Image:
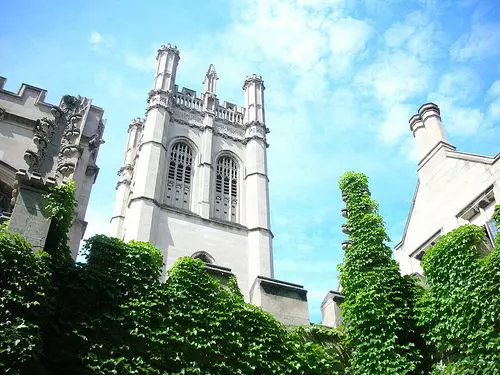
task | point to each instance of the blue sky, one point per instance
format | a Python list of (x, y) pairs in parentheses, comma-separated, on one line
[(342, 78)]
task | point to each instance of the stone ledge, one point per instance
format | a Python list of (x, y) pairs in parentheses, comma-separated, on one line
[(220, 270), (334, 295), (287, 302)]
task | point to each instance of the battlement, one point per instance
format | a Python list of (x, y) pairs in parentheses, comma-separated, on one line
[(24, 92), (223, 110), (28, 91)]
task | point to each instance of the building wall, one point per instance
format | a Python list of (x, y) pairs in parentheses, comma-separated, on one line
[(449, 181), (19, 113), (212, 128)]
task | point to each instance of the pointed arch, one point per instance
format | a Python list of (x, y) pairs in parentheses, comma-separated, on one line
[(204, 257), (226, 191), (179, 175)]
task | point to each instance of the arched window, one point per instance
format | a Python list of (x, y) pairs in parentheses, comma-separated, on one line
[(179, 176), (226, 189), (204, 257)]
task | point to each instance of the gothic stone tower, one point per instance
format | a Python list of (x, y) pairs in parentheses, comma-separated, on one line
[(194, 178)]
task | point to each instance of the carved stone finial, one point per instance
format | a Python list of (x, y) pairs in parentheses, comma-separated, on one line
[(69, 103), (253, 78), (210, 80), (165, 48)]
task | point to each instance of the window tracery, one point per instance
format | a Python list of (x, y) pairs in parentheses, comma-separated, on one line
[(178, 192), (226, 189)]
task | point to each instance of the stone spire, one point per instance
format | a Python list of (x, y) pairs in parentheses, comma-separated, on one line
[(254, 99), (167, 62), (210, 81)]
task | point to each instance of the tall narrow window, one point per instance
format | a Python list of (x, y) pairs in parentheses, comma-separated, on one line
[(226, 189), (179, 176)]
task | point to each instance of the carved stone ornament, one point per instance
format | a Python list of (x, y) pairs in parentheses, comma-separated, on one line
[(2, 114), (69, 104), (136, 123), (95, 142), (230, 132), (91, 170), (45, 127), (164, 48), (192, 119), (66, 169), (31, 158), (160, 99), (70, 151)]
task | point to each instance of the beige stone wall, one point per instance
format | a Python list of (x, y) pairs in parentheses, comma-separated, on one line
[(448, 182)]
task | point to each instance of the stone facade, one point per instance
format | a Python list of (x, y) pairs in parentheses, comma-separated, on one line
[(453, 188), (194, 181), (42, 145)]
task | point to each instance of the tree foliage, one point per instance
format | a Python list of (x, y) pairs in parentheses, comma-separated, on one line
[(461, 307), (23, 280), (112, 315), (377, 309)]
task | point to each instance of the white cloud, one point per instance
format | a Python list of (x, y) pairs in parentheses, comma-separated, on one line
[(418, 35), (493, 96), (410, 151), (482, 41), (95, 37), (144, 63), (348, 35), (463, 121), (395, 124), (454, 94), (99, 42), (396, 76), (461, 84)]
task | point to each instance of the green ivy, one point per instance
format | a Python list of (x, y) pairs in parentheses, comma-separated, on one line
[(23, 281), (461, 307), (113, 315), (61, 205), (377, 310)]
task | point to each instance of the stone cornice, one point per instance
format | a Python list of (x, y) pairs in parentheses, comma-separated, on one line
[(262, 229), (433, 151), (257, 173), (191, 214), (154, 142), (10, 117)]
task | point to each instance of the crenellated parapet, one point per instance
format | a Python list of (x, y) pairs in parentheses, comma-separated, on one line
[(223, 111)]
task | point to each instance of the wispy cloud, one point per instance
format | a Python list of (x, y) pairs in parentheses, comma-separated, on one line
[(482, 41), (95, 37), (144, 63), (99, 42)]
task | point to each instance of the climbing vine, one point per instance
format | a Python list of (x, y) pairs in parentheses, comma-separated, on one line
[(60, 206), (460, 309), (377, 309)]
